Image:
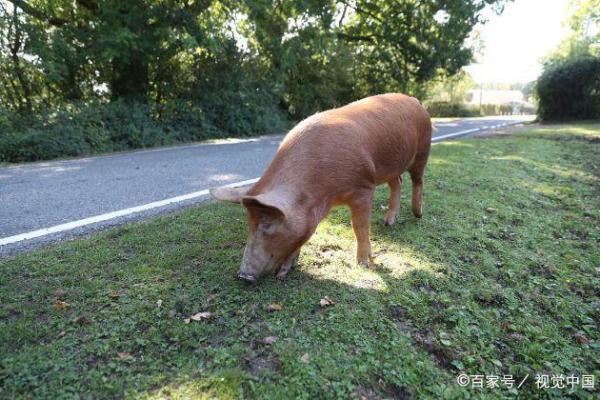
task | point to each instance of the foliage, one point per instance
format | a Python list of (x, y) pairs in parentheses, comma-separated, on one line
[(240, 66), (584, 39), (447, 96), (513, 290), (451, 89), (83, 129), (448, 109), (570, 89)]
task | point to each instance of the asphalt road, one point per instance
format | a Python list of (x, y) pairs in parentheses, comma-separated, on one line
[(37, 196)]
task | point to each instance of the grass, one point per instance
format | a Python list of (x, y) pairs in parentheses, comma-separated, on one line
[(499, 277)]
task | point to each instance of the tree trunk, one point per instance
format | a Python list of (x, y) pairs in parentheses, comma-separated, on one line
[(14, 55)]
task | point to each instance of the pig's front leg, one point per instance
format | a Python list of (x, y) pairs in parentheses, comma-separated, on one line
[(361, 222), (287, 266)]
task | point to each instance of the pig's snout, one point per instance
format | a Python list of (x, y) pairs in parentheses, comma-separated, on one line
[(247, 277)]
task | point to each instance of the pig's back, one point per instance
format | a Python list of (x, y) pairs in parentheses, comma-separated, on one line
[(374, 139)]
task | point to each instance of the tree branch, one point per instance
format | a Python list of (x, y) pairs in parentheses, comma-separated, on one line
[(361, 11), (88, 4), (357, 38), (343, 16), (34, 12)]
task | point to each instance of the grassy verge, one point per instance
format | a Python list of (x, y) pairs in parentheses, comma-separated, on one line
[(499, 277)]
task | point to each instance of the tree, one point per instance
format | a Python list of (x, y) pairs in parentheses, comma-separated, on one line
[(301, 55), (402, 44), (570, 90), (569, 86), (584, 38)]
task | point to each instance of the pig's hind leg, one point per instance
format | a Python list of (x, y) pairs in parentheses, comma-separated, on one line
[(394, 201), (360, 207), (416, 175)]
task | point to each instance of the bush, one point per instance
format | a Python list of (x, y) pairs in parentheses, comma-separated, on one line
[(496, 109), (447, 109), (83, 129), (570, 90)]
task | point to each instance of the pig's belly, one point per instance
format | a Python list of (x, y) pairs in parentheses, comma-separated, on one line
[(391, 169)]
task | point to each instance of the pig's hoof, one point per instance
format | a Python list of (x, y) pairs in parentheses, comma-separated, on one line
[(286, 268), (365, 264), (282, 274), (247, 277), (389, 221)]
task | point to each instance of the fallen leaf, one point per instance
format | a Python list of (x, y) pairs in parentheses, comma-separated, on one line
[(326, 301), (210, 298), (269, 340), (491, 210), (201, 316), (61, 305), (81, 320), (581, 338), (159, 303), (187, 321), (124, 355), (517, 336), (505, 326), (274, 307), (305, 358), (62, 333), (115, 294)]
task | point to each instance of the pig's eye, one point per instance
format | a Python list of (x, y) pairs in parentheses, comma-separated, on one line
[(267, 228)]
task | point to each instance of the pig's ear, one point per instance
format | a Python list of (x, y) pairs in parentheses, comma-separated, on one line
[(265, 206), (233, 195)]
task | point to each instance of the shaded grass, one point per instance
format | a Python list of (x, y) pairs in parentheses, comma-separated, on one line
[(499, 277)]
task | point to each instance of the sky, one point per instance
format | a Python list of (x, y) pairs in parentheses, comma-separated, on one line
[(515, 41)]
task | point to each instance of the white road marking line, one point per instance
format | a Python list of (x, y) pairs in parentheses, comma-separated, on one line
[(465, 132), (133, 210), (111, 215)]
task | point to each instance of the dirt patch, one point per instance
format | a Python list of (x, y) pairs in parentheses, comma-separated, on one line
[(489, 299), (10, 315), (399, 315), (543, 269), (386, 392), (258, 364), (502, 132), (363, 393), (571, 138), (442, 355)]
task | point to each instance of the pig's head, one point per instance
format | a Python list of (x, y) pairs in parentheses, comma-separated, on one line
[(275, 230)]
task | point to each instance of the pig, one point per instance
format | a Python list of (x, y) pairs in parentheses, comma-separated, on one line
[(336, 157)]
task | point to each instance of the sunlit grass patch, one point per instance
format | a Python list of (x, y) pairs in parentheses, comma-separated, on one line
[(498, 277), (228, 385)]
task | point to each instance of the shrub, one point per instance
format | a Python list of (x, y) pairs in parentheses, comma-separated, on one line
[(88, 128), (447, 109), (570, 90)]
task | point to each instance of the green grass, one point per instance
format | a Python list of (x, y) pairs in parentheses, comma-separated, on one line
[(500, 276)]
